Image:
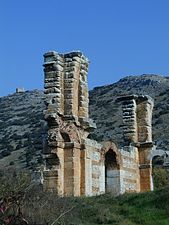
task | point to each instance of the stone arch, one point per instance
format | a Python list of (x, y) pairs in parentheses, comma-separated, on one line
[(112, 161), (156, 156), (154, 153), (68, 129), (107, 145)]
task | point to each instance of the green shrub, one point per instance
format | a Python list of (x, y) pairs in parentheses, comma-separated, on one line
[(12, 194), (5, 153), (160, 177)]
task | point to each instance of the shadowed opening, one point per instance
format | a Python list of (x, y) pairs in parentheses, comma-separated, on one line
[(65, 137), (112, 173)]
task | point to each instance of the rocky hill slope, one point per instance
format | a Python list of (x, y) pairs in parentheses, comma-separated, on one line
[(21, 129), (107, 112), (22, 124)]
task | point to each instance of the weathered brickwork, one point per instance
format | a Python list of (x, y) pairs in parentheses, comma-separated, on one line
[(70, 163), (76, 165), (137, 130)]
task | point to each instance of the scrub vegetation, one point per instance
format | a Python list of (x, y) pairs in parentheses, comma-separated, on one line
[(26, 203)]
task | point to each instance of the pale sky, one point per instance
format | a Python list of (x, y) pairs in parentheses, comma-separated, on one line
[(119, 37)]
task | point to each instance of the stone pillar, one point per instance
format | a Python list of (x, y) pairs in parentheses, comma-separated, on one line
[(76, 171), (83, 89), (53, 153), (129, 118), (71, 84), (137, 118), (83, 169), (137, 130), (66, 99), (144, 118), (66, 86), (68, 171), (75, 85), (53, 69), (72, 170), (145, 166), (145, 144)]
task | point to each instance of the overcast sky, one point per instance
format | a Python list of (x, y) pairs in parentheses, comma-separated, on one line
[(120, 38)]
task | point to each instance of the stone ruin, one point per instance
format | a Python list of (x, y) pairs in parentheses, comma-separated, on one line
[(76, 165), (20, 90)]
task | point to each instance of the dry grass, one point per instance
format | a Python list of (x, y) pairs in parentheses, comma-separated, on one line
[(40, 208)]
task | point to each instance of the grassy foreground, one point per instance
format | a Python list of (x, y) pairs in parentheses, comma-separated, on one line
[(130, 209), (22, 200)]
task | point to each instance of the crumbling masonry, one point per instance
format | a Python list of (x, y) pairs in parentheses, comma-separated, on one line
[(76, 165)]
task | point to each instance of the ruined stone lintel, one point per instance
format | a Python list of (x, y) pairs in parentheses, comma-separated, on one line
[(61, 144), (55, 144), (144, 144), (126, 98), (144, 166), (135, 97), (69, 145), (146, 98), (53, 58)]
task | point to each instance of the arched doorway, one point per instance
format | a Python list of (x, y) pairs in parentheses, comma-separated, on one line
[(112, 173)]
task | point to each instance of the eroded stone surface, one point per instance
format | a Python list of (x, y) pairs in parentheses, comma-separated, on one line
[(79, 165), (76, 165)]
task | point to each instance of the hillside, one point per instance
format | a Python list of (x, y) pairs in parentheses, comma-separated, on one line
[(21, 129), (107, 113), (22, 126)]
